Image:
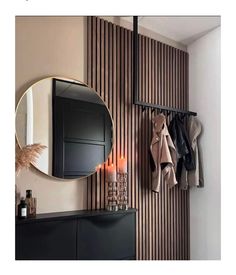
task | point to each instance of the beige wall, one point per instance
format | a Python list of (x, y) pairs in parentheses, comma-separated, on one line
[(47, 46), (21, 121)]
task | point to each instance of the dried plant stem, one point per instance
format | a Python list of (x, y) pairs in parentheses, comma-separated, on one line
[(27, 155)]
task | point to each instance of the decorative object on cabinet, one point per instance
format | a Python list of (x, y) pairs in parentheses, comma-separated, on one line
[(31, 204), (116, 181), (122, 191), (112, 189), (122, 177), (22, 209), (72, 120), (77, 235)]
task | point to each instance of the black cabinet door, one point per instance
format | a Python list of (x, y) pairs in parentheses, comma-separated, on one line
[(81, 136), (53, 240), (106, 237)]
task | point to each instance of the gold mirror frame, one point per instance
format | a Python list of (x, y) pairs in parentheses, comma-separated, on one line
[(75, 81)]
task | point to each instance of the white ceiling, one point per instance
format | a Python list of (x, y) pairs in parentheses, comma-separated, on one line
[(182, 29)]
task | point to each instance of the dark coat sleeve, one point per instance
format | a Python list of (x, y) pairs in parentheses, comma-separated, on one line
[(180, 139), (188, 156)]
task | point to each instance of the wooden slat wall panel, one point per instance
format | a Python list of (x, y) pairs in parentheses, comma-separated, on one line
[(162, 231)]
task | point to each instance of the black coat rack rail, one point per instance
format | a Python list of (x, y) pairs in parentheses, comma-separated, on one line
[(136, 80)]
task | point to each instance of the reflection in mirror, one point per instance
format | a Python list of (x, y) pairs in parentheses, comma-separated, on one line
[(71, 120)]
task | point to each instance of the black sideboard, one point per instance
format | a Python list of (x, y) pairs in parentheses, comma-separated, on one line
[(77, 235)]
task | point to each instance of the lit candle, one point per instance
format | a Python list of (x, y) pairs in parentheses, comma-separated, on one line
[(111, 173), (122, 165)]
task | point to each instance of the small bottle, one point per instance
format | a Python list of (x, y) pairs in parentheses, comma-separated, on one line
[(22, 209), (31, 204)]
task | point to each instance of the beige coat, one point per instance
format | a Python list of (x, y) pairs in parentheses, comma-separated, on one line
[(163, 153), (193, 177)]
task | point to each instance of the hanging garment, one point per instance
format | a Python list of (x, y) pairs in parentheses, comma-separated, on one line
[(163, 153), (185, 155), (193, 177)]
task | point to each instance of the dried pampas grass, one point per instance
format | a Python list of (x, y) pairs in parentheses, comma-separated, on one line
[(27, 155)]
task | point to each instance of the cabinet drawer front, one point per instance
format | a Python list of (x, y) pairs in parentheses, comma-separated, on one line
[(107, 237), (53, 240)]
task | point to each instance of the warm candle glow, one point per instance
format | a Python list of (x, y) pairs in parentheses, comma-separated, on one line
[(98, 167), (122, 167)]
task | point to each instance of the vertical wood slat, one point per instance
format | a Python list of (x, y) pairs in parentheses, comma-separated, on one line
[(93, 84), (89, 77), (138, 162), (162, 231), (102, 89), (98, 88)]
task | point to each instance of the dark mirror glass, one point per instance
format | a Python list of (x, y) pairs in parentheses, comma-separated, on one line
[(71, 120)]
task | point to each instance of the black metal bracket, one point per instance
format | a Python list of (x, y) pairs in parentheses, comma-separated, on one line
[(136, 79)]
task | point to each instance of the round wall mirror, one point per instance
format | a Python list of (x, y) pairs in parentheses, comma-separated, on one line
[(71, 120)]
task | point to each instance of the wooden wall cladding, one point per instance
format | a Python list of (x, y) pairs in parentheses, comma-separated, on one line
[(162, 231)]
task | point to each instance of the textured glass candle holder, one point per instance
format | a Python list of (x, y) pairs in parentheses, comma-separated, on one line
[(112, 196), (122, 191)]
